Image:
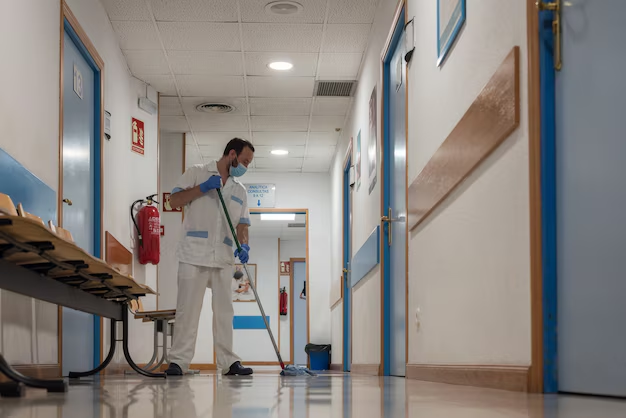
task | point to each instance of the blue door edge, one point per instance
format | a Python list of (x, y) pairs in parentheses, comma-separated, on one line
[(97, 158), (548, 202), (395, 39), (346, 260)]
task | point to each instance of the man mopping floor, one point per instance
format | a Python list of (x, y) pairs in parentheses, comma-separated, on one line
[(205, 254)]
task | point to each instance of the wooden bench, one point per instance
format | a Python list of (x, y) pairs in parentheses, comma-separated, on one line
[(44, 263)]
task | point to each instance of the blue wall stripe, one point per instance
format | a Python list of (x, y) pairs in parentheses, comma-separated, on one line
[(25, 188), (249, 322), (366, 258)]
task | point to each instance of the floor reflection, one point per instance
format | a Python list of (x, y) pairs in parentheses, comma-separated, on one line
[(268, 395)]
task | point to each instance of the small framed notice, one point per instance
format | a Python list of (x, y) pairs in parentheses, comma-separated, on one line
[(285, 268)]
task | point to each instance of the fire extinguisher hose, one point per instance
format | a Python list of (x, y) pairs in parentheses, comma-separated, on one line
[(132, 216)]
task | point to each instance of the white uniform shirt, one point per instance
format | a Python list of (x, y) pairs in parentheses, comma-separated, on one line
[(207, 240)]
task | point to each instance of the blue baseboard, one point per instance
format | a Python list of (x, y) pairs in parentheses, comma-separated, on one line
[(249, 322)]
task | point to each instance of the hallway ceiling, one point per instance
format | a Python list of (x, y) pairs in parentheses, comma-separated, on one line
[(197, 51)]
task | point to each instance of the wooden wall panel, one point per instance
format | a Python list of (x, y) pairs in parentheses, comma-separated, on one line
[(118, 256), (491, 118)]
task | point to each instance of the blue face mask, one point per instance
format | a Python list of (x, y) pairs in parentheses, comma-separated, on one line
[(238, 171)]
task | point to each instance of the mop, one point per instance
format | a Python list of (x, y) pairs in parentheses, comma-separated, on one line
[(289, 370)]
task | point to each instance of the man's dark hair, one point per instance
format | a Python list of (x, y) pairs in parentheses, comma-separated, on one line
[(238, 145)]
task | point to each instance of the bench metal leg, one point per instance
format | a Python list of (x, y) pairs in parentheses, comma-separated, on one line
[(105, 363), (129, 359), (163, 358), (57, 385)]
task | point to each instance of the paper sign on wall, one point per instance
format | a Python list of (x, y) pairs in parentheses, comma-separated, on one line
[(78, 82), (138, 144), (261, 195)]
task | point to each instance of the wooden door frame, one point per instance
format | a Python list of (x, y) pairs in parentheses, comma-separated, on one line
[(401, 6), (66, 14), (536, 372)]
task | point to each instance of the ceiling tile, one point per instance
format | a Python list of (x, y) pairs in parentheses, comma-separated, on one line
[(340, 65), (316, 165), (281, 86), (170, 106), (279, 138), (136, 35), (326, 123), (331, 106), (205, 62), (313, 11), (304, 65), (147, 61), (278, 163), (164, 84), (218, 138), (127, 9), (280, 123), (326, 152), (200, 36), (346, 38), (239, 103), (223, 123), (352, 11), (195, 10), (282, 37), (280, 107), (211, 151), (174, 124), (203, 85), (295, 151), (323, 138)]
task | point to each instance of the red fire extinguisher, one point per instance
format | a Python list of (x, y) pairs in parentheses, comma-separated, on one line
[(148, 224), (283, 301)]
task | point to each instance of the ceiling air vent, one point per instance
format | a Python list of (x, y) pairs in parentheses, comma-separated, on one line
[(214, 108), (296, 225), (335, 88)]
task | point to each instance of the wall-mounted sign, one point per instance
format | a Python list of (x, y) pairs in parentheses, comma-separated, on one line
[(78, 82), (261, 195), (167, 207), (138, 139), (450, 19), (162, 230), (285, 268)]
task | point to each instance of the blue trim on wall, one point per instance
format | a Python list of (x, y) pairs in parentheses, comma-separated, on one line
[(548, 202), (249, 322), (97, 166), (24, 187), (366, 258), (397, 34), (442, 54), (347, 252)]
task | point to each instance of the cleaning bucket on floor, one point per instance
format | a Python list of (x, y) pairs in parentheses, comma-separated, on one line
[(319, 356)]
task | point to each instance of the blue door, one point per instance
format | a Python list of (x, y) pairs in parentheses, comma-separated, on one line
[(300, 322), (395, 204), (80, 144), (347, 256), (585, 102)]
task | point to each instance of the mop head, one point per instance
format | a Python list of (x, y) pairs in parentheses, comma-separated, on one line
[(291, 370)]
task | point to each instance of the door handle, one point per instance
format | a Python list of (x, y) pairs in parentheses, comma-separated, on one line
[(389, 219), (554, 6), (346, 271), (67, 201)]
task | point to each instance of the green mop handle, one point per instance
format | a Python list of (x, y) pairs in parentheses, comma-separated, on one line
[(256, 296)]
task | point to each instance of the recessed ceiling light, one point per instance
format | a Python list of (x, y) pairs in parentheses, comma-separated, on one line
[(280, 66), (280, 152), (282, 8), (278, 216)]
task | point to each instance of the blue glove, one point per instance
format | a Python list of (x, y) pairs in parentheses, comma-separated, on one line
[(214, 182), (243, 253)]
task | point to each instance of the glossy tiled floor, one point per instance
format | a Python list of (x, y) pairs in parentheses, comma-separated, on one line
[(268, 395)]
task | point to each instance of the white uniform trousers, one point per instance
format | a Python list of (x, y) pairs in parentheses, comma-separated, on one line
[(192, 283)]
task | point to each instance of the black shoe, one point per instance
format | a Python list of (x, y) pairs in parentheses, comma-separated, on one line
[(174, 370), (237, 369)]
